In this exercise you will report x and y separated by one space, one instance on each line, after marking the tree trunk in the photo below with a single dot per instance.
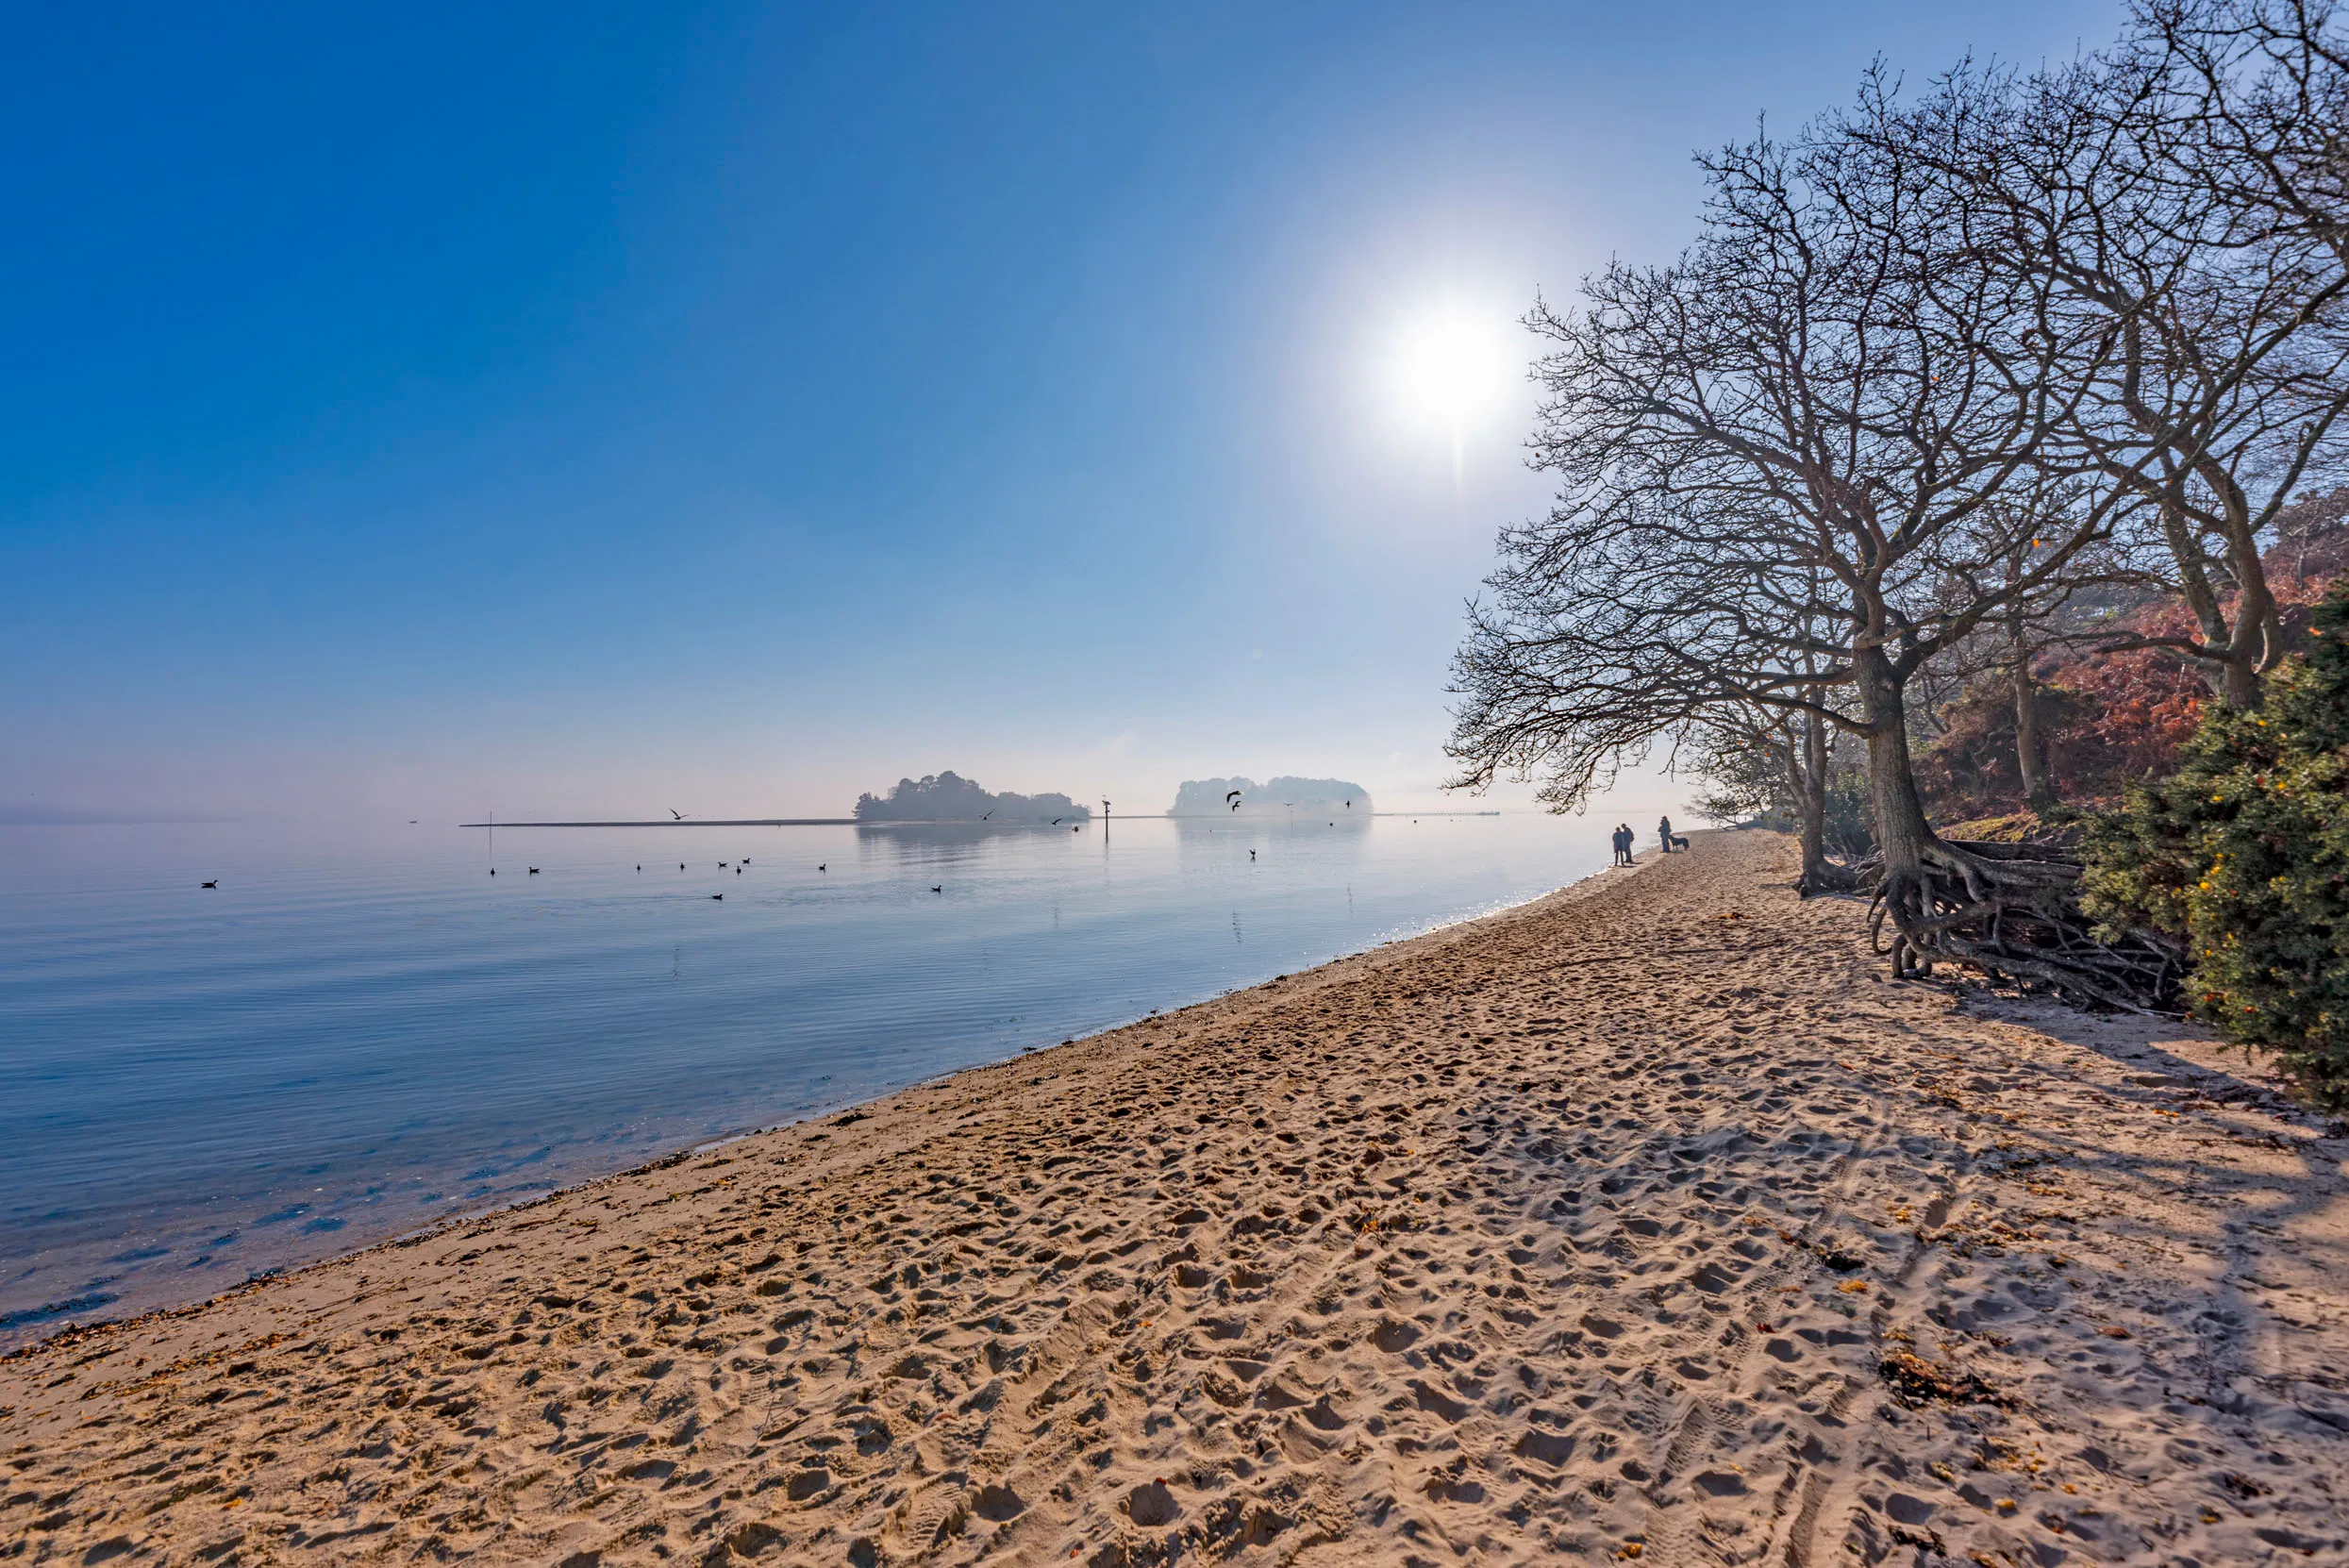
2256 641
1904 837
1812 799
1820 875
2039 792
2238 682
1902 833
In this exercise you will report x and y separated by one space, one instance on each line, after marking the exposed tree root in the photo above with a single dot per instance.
2012 910
1826 877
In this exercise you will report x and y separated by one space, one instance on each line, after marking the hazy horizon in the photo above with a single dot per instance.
732 410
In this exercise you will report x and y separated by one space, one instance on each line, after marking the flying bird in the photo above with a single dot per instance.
1251 854
214 883
674 812
984 815
1233 800
1056 822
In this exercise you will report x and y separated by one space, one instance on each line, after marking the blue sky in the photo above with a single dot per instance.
599 408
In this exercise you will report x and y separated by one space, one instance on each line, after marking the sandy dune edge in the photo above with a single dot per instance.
1645 1220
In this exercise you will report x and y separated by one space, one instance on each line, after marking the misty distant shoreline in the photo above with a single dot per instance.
948 822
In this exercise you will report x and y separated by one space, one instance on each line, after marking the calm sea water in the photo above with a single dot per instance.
357 1034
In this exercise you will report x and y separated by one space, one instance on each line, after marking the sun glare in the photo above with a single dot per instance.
1451 367
1450 377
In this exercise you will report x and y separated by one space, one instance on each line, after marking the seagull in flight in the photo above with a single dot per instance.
1233 800
674 812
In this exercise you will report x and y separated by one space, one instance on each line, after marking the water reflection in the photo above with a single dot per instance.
947 844
348 1039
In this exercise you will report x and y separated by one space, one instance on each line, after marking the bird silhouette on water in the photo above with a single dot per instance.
715 896
824 868
938 888
534 870
214 883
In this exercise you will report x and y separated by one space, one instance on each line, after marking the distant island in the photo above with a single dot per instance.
1209 797
950 797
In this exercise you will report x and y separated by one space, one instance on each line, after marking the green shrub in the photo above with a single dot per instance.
2243 857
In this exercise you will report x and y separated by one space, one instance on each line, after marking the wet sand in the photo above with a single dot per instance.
1647 1221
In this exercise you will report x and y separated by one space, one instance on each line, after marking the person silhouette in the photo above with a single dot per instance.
1663 831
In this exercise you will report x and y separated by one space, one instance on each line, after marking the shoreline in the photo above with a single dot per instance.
1645 1219
16 1340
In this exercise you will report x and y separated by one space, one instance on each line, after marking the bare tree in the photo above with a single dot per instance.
2257 109
1798 461
2180 197
1766 761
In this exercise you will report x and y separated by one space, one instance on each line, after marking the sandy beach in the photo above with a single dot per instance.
1647 1222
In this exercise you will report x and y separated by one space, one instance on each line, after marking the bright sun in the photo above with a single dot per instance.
1451 366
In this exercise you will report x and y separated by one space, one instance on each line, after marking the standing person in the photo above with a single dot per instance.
1663 831
1616 839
